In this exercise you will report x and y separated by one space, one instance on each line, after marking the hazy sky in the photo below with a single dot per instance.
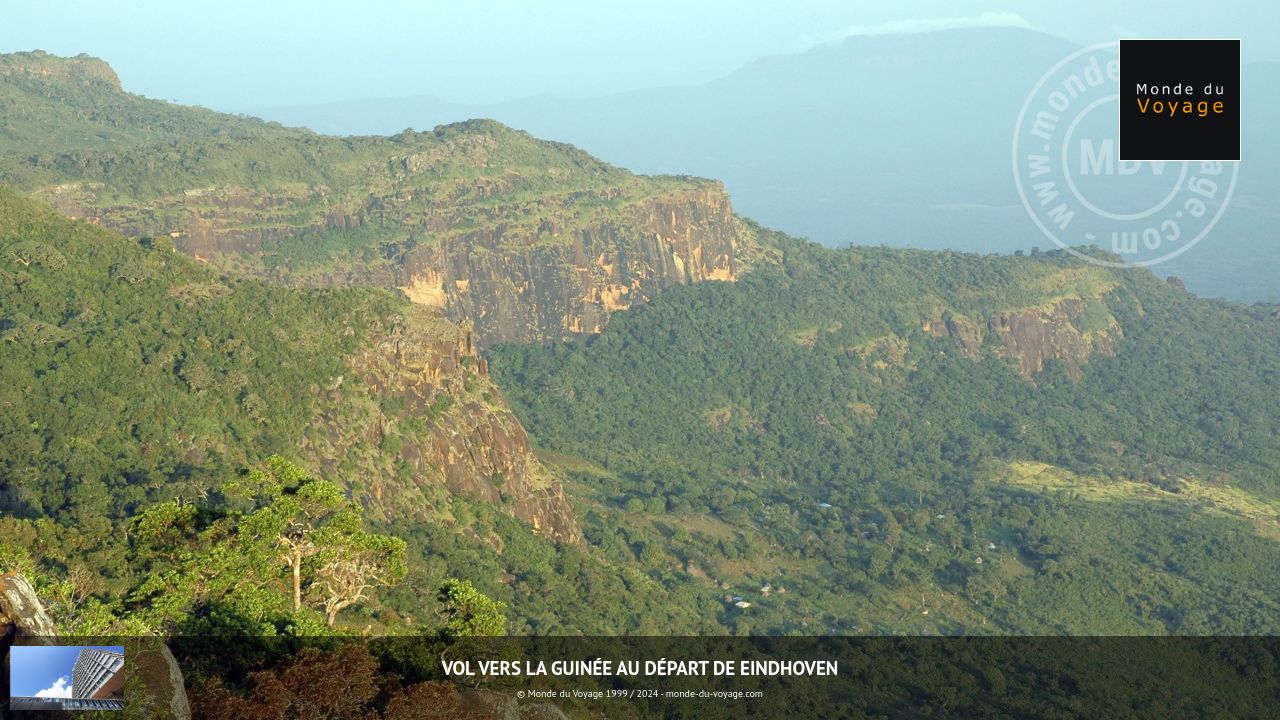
242 54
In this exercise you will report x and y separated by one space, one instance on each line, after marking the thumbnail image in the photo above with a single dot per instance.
75 677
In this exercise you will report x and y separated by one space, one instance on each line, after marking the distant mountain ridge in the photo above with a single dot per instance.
897 139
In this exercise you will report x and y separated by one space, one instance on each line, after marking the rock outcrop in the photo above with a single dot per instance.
1068 330
437 421
1033 336
21 613
155 671
515 287
42 66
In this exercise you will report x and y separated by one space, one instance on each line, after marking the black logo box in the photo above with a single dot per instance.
1186 67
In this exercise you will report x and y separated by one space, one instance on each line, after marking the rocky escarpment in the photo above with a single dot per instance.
530 270
528 240
41 66
564 278
1069 330
419 405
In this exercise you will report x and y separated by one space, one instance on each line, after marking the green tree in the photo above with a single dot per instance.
313 523
467 612
354 562
300 512
226 562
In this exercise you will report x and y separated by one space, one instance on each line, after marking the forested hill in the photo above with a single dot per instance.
134 379
919 442
527 239
132 373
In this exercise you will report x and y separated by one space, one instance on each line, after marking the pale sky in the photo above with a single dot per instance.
242 54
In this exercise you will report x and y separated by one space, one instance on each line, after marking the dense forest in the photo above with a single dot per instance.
135 380
844 441
809 428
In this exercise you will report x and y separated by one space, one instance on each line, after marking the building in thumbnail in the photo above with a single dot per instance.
25 704
98 675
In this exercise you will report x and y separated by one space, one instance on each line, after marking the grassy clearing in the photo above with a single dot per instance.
1261 512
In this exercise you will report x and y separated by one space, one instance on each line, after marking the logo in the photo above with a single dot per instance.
1180 99
1071 180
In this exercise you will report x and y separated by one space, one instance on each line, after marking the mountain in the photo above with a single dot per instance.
524 239
845 438
834 143
859 440
133 377
104 333
895 139
924 442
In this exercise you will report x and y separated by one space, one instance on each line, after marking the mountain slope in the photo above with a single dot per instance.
526 239
1014 444
131 370
131 375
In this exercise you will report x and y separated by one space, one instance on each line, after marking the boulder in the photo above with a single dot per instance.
20 610
151 668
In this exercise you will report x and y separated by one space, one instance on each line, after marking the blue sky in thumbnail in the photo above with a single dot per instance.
45 671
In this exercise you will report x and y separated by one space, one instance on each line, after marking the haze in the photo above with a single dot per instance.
243 54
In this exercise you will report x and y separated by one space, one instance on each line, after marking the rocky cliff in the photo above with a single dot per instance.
518 268
362 387
564 277
419 404
1069 330
528 240
43 67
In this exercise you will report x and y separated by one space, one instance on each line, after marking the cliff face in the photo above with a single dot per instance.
517 287
1069 330
41 66
419 404
529 270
